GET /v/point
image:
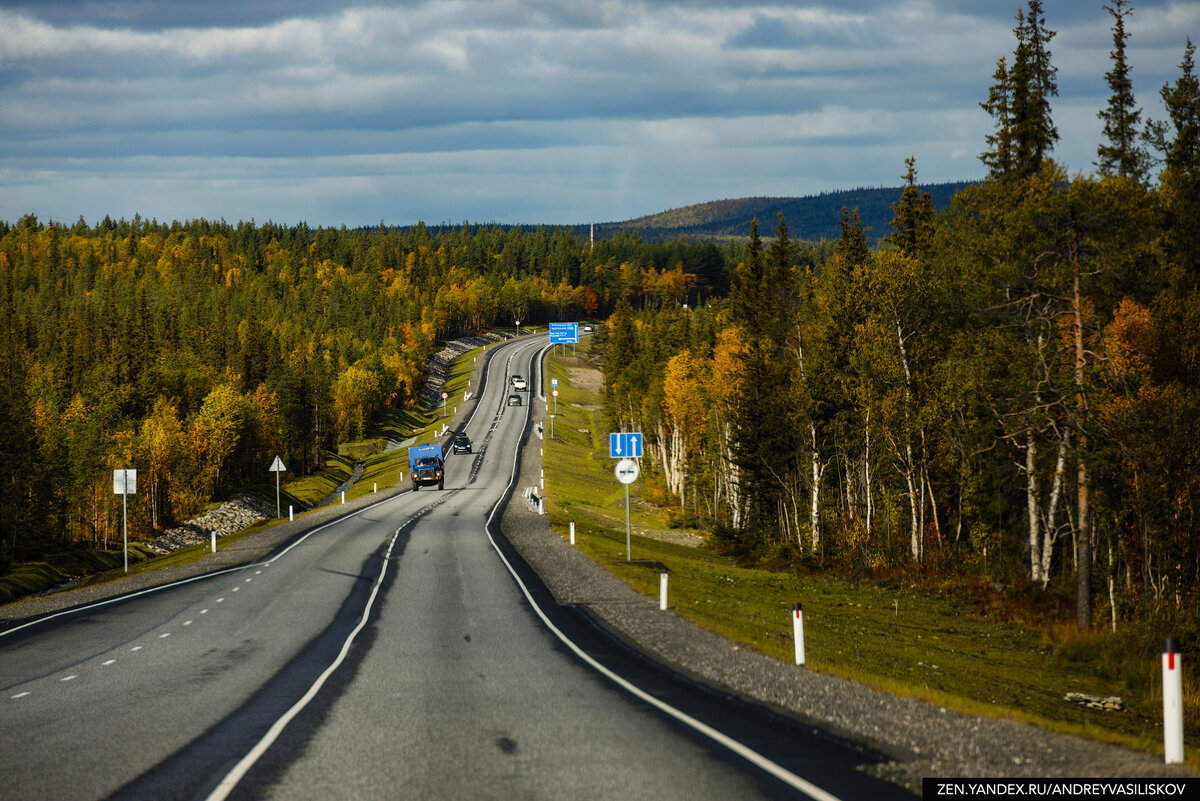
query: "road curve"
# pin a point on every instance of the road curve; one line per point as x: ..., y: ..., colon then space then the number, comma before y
x: 403, y: 651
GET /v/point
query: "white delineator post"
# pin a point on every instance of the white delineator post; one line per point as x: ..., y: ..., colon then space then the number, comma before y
x: 572, y: 532
x: 291, y: 516
x: 214, y: 540
x: 1172, y: 702
x: 662, y: 590
x: 798, y: 632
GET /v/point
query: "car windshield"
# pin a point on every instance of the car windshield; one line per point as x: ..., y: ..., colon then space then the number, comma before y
x: 428, y: 461
x: 462, y: 439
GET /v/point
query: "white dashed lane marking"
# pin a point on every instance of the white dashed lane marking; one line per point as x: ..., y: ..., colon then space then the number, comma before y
x: 164, y: 635
x: 109, y: 662
x: 69, y: 678
x: 19, y: 695
x: 137, y: 648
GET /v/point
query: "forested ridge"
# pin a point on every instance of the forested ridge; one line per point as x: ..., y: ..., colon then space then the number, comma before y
x: 194, y: 352
x: 1006, y: 391
x: 811, y: 218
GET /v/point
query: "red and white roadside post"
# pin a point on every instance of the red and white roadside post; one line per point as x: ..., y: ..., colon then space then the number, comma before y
x: 572, y: 532
x: 1172, y: 702
x: 798, y: 631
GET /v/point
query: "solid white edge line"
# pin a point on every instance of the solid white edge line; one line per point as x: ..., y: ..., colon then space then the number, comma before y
x: 239, y: 770
x: 182, y: 582
x: 750, y: 755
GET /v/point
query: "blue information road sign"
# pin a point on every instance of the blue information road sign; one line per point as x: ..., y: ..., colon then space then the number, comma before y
x: 561, y: 333
x: 625, y: 446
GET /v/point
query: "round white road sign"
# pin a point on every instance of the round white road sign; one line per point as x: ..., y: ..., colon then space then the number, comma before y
x: 627, y: 471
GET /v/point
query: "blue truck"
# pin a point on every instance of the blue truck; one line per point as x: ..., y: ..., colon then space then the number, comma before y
x: 425, y: 466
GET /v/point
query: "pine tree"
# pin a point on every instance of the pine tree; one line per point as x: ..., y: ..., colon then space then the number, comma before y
x: 1179, y: 140
x: 1122, y: 155
x: 999, y: 160
x: 1183, y: 106
x: 1019, y: 101
x: 913, y: 220
x: 762, y: 447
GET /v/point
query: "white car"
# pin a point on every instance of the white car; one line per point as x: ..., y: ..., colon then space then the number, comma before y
x: 518, y: 383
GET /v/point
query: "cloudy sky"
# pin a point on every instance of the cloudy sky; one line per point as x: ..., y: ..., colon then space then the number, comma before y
x: 550, y: 111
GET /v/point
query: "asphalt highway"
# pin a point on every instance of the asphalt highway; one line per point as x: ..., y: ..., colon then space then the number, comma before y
x: 399, y: 652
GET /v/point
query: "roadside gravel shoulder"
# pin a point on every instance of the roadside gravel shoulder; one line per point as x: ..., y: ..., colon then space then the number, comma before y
x: 247, y: 550
x: 921, y: 739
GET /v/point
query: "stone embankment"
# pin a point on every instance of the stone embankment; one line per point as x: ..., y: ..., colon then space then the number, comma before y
x: 438, y: 371
x: 246, y: 509
x: 229, y: 518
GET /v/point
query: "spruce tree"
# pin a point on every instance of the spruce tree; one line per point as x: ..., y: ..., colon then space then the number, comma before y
x: 999, y: 160
x: 1019, y: 101
x: 1122, y: 155
x: 1180, y: 185
x: 762, y: 436
x: 913, y: 220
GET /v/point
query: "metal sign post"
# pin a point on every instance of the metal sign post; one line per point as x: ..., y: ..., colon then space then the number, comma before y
x: 125, y: 483
x: 277, y: 468
x: 627, y: 473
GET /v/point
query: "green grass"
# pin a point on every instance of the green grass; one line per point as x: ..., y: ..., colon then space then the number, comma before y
x: 903, y: 641
x: 382, y: 470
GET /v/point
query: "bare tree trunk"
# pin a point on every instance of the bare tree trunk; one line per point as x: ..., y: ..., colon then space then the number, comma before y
x: 1112, y: 596
x: 870, y: 512
x: 933, y: 509
x: 815, y: 512
x: 1083, y: 598
x: 1031, y: 507
x: 1050, y: 535
x: 916, y: 498
x: 937, y: 526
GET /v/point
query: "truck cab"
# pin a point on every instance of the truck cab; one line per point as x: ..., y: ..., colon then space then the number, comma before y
x: 426, y: 466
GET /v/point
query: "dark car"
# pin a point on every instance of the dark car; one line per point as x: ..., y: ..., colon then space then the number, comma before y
x: 514, y: 400
x: 462, y: 444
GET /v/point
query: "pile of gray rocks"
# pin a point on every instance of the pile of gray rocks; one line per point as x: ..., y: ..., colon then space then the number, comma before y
x: 438, y: 370
x: 229, y: 518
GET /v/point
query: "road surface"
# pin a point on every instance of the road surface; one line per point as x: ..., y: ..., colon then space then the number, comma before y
x: 395, y: 653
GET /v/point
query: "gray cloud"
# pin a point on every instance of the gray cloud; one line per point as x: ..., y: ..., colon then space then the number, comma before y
x: 516, y: 110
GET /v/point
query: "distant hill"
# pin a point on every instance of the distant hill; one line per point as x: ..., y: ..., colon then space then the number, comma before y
x: 812, y: 218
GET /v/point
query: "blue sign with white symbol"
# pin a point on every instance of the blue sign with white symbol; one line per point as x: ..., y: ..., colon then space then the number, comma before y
x: 625, y: 445
x: 562, y: 333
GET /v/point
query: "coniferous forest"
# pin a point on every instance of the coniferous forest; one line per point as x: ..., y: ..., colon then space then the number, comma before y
x: 1008, y: 390
x: 190, y: 350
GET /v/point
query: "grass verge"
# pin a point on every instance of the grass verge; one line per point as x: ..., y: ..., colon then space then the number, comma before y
x: 382, y: 469
x: 899, y: 640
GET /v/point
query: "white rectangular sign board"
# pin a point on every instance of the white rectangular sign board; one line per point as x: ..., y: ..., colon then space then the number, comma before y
x: 125, y: 482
